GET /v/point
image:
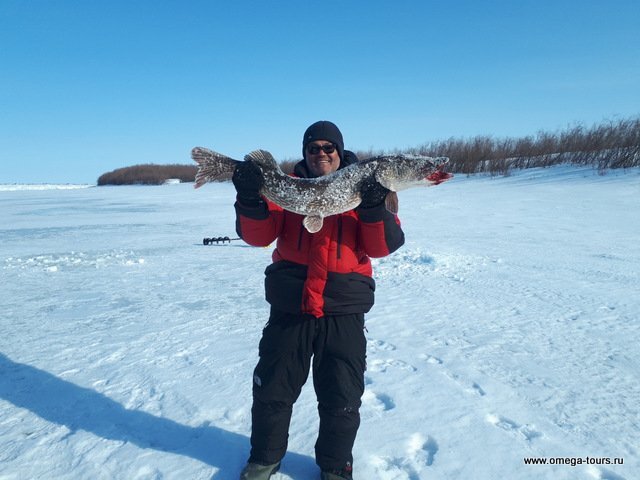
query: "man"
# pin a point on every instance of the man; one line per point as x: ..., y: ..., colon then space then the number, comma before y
x: 319, y: 287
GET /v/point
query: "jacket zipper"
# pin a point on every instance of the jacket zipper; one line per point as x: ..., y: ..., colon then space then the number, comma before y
x: 300, y: 237
x: 339, y: 246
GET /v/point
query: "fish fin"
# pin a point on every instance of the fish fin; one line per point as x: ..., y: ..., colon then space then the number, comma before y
x: 212, y: 166
x: 313, y: 223
x: 392, y: 203
x: 261, y: 157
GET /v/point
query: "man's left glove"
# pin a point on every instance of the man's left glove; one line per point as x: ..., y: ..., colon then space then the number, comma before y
x: 247, y: 178
x: 373, y: 194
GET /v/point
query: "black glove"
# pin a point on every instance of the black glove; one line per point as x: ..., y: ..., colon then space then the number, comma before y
x: 373, y: 194
x: 247, y: 178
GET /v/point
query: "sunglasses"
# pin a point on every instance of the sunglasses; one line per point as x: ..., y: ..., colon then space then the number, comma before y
x: 327, y: 148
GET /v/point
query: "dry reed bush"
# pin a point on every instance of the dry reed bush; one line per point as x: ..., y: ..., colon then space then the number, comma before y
x: 613, y: 144
x: 148, y: 174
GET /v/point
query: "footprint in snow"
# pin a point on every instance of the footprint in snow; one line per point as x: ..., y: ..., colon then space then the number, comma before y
x: 420, y: 452
x: 430, y: 359
x: 146, y: 472
x: 468, y: 385
x: 599, y: 473
x: 381, y: 365
x: 380, y: 402
x: 528, y: 432
x: 374, y: 346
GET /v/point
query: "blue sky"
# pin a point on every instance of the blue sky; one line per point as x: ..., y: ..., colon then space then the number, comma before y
x: 90, y: 86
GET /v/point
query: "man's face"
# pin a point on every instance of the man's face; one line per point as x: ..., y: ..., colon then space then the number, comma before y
x: 322, y: 158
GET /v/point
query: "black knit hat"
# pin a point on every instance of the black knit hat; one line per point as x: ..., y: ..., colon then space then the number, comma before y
x: 323, y: 130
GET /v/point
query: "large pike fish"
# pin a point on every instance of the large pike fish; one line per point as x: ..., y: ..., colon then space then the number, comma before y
x: 337, y: 192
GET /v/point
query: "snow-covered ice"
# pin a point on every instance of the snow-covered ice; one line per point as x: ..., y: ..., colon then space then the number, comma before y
x: 11, y: 187
x: 506, y: 328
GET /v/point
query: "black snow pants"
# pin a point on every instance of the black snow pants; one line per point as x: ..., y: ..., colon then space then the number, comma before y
x: 289, y: 342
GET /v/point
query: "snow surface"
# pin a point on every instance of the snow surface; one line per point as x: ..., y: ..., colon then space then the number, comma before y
x: 507, y: 327
x: 10, y: 187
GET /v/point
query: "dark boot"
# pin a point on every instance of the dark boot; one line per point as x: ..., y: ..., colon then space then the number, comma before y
x: 256, y: 471
x: 345, y: 473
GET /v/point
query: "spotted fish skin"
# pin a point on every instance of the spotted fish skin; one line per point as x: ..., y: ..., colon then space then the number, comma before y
x: 337, y: 192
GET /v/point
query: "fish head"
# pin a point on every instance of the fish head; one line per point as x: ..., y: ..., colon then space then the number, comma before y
x: 400, y: 172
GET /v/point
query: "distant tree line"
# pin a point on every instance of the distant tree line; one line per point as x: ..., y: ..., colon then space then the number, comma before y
x: 148, y: 174
x: 613, y: 144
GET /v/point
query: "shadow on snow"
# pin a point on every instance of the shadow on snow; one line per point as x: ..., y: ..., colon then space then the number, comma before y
x: 79, y: 408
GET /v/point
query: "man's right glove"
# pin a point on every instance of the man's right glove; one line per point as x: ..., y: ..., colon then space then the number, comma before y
x: 247, y: 178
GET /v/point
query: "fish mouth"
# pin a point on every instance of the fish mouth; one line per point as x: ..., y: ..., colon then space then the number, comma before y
x: 438, y: 177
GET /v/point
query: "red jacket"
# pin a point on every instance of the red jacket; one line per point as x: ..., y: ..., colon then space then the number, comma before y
x: 325, y: 273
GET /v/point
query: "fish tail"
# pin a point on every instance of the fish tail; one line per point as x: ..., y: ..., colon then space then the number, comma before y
x: 211, y: 165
